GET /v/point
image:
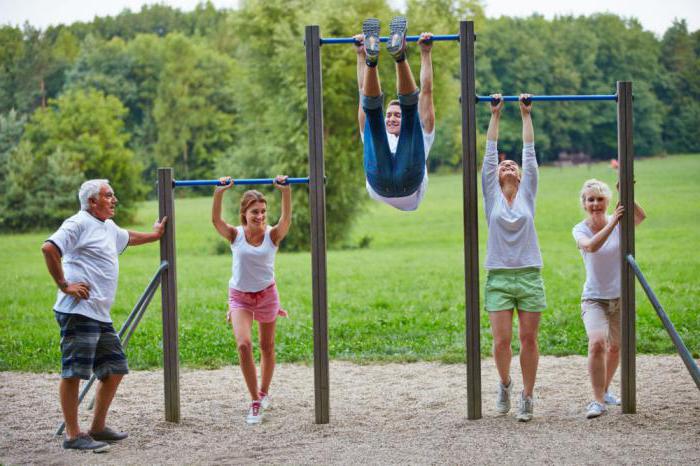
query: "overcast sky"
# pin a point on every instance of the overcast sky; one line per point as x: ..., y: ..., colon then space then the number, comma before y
x: 656, y: 16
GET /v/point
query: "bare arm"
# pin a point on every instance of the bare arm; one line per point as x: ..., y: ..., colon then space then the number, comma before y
x: 426, y: 108
x: 223, y: 228
x: 280, y: 230
x: 492, y: 133
x: 52, y: 256
x: 361, y: 64
x: 595, y: 242
x: 639, y: 214
x: 137, y: 237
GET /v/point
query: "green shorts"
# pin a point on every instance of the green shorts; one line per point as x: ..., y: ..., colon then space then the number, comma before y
x: 521, y: 289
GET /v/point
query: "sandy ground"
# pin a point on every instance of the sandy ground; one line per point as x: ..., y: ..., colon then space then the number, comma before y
x: 380, y: 414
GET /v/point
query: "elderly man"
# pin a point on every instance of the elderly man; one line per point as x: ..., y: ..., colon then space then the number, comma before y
x: 82, y: 257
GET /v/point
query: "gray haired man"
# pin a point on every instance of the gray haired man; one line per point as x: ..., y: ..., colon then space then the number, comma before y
x: 82, y: 257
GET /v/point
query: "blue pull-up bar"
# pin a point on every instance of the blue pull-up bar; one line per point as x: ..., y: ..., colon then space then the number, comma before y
x: 351, y: 40
x: 514, y: 98
x: 242, y: 181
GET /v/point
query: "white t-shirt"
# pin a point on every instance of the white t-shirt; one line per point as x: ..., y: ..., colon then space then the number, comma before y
x: 412, y: 201
x: 253, y: 267
x: 512, y: 239
x: 602, y: 266
x: 90, y: 251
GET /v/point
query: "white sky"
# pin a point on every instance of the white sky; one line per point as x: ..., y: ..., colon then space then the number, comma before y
x: 656, y: 16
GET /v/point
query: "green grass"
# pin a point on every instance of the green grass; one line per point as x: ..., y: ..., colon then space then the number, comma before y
x: 400, y: 299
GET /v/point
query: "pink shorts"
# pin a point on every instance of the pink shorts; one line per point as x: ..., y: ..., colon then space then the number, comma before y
x: 264, y: 304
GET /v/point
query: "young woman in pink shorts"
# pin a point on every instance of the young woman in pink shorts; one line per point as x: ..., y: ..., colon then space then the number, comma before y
x: 252, y: 290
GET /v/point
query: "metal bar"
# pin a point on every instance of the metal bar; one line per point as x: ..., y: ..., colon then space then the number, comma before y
x: 317, y: 205
x: 470, y: 218
x: 171, y: 369
x: 625, y: 150
x: 136, y: 312
x: 243, y: 181
x: 514, y: 98
x: 677, y: 340
x: 351, y: 40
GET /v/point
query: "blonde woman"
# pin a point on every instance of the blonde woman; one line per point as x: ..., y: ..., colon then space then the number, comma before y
x: 598, y: 239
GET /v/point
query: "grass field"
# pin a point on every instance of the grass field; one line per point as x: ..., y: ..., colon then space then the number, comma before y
x: 402, y: 298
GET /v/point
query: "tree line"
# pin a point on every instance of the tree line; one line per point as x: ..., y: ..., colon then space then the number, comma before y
x: 215, y: 91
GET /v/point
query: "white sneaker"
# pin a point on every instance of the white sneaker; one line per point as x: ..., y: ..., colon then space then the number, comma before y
x: 503, y: 397
x: 611, y: 399
x: 265, y: 400
x: 525, y: 406
x: 595, y: 409
x: 255, y: 414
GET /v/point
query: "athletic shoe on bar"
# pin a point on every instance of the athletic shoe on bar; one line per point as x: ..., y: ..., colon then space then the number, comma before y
x: 595, y: 409
x: 525, y: 408
x: 255, y: 414
x: 85, y: 442
x: 503, y: 397
x: 370, y: 28
x: 397, y: 38
x: 611, y: 399
x: 265, y: 400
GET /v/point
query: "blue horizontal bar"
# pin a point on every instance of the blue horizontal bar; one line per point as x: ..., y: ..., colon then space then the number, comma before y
x: 242, y: 181
x: 514, y: 98
x: 351, y: 40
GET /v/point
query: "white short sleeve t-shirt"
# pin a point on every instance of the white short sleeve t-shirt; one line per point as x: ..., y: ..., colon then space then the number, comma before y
x: 602, y: 266
x: 90, y: 249
x: 412, y: 201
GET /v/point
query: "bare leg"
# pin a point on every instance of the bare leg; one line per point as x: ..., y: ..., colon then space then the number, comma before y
x: 371, y: 86
x: 104, y: 395
x: 612, y: 360
x: 405, y: 84
x: 242, y: 322
x: 529, y: 352
x: 267, y: 351
x: 502, y: 330
x: 68, y: 394
x: 596, y: 364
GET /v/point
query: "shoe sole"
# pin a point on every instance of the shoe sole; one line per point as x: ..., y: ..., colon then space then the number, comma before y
x: 523, y: 418
x: 370, y: 29
x: 397, y: 33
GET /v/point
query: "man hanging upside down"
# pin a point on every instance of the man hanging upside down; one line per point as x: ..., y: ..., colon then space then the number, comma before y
x: 396, y: 146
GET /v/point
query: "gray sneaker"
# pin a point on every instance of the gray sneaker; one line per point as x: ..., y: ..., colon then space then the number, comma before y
x: 611, y: 399
x: 503, y: 397
x: 525, y: 406
x: 595, y: 409
x: 85, y: 442
x: 108, y: 435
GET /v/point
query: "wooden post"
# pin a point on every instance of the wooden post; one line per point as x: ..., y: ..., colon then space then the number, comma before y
x: 317, y: 205
x: 171, y: 368
x: 470, y: 216
x: 625, y: 150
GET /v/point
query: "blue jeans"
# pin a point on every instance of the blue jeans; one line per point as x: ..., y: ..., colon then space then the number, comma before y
x: 391, y: 175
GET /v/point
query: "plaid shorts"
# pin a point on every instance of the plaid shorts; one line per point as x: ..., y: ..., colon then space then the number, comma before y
x: 87, y: 346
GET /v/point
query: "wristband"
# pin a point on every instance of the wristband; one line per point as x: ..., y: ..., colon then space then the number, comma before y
x: 63, y: 285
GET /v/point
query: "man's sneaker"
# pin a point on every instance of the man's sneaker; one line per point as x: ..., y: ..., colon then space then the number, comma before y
x: 85, y: 442
x: 595, y: 409
x: 265, y: 400
x: 611, y: 399
x: 397, y: 38
x: 370, y: 28
x: 525, y: 406
x: 503, y: 397
x: 255, y: 414
x: 108, y: 435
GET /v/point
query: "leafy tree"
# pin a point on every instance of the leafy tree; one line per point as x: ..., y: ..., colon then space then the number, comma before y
x: 87, y: 127
x: 11, y: 127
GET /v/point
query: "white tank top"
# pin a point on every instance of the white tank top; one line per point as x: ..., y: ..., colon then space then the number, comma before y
x: 253, y: 266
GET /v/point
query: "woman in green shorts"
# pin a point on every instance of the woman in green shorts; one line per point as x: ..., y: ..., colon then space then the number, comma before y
x: 513, y: 258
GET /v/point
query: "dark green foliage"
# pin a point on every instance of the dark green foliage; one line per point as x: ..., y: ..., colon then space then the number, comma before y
x: 213, y: 92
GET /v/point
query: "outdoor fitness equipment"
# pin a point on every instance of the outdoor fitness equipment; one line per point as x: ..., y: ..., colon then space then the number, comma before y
x: 466, y: 39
